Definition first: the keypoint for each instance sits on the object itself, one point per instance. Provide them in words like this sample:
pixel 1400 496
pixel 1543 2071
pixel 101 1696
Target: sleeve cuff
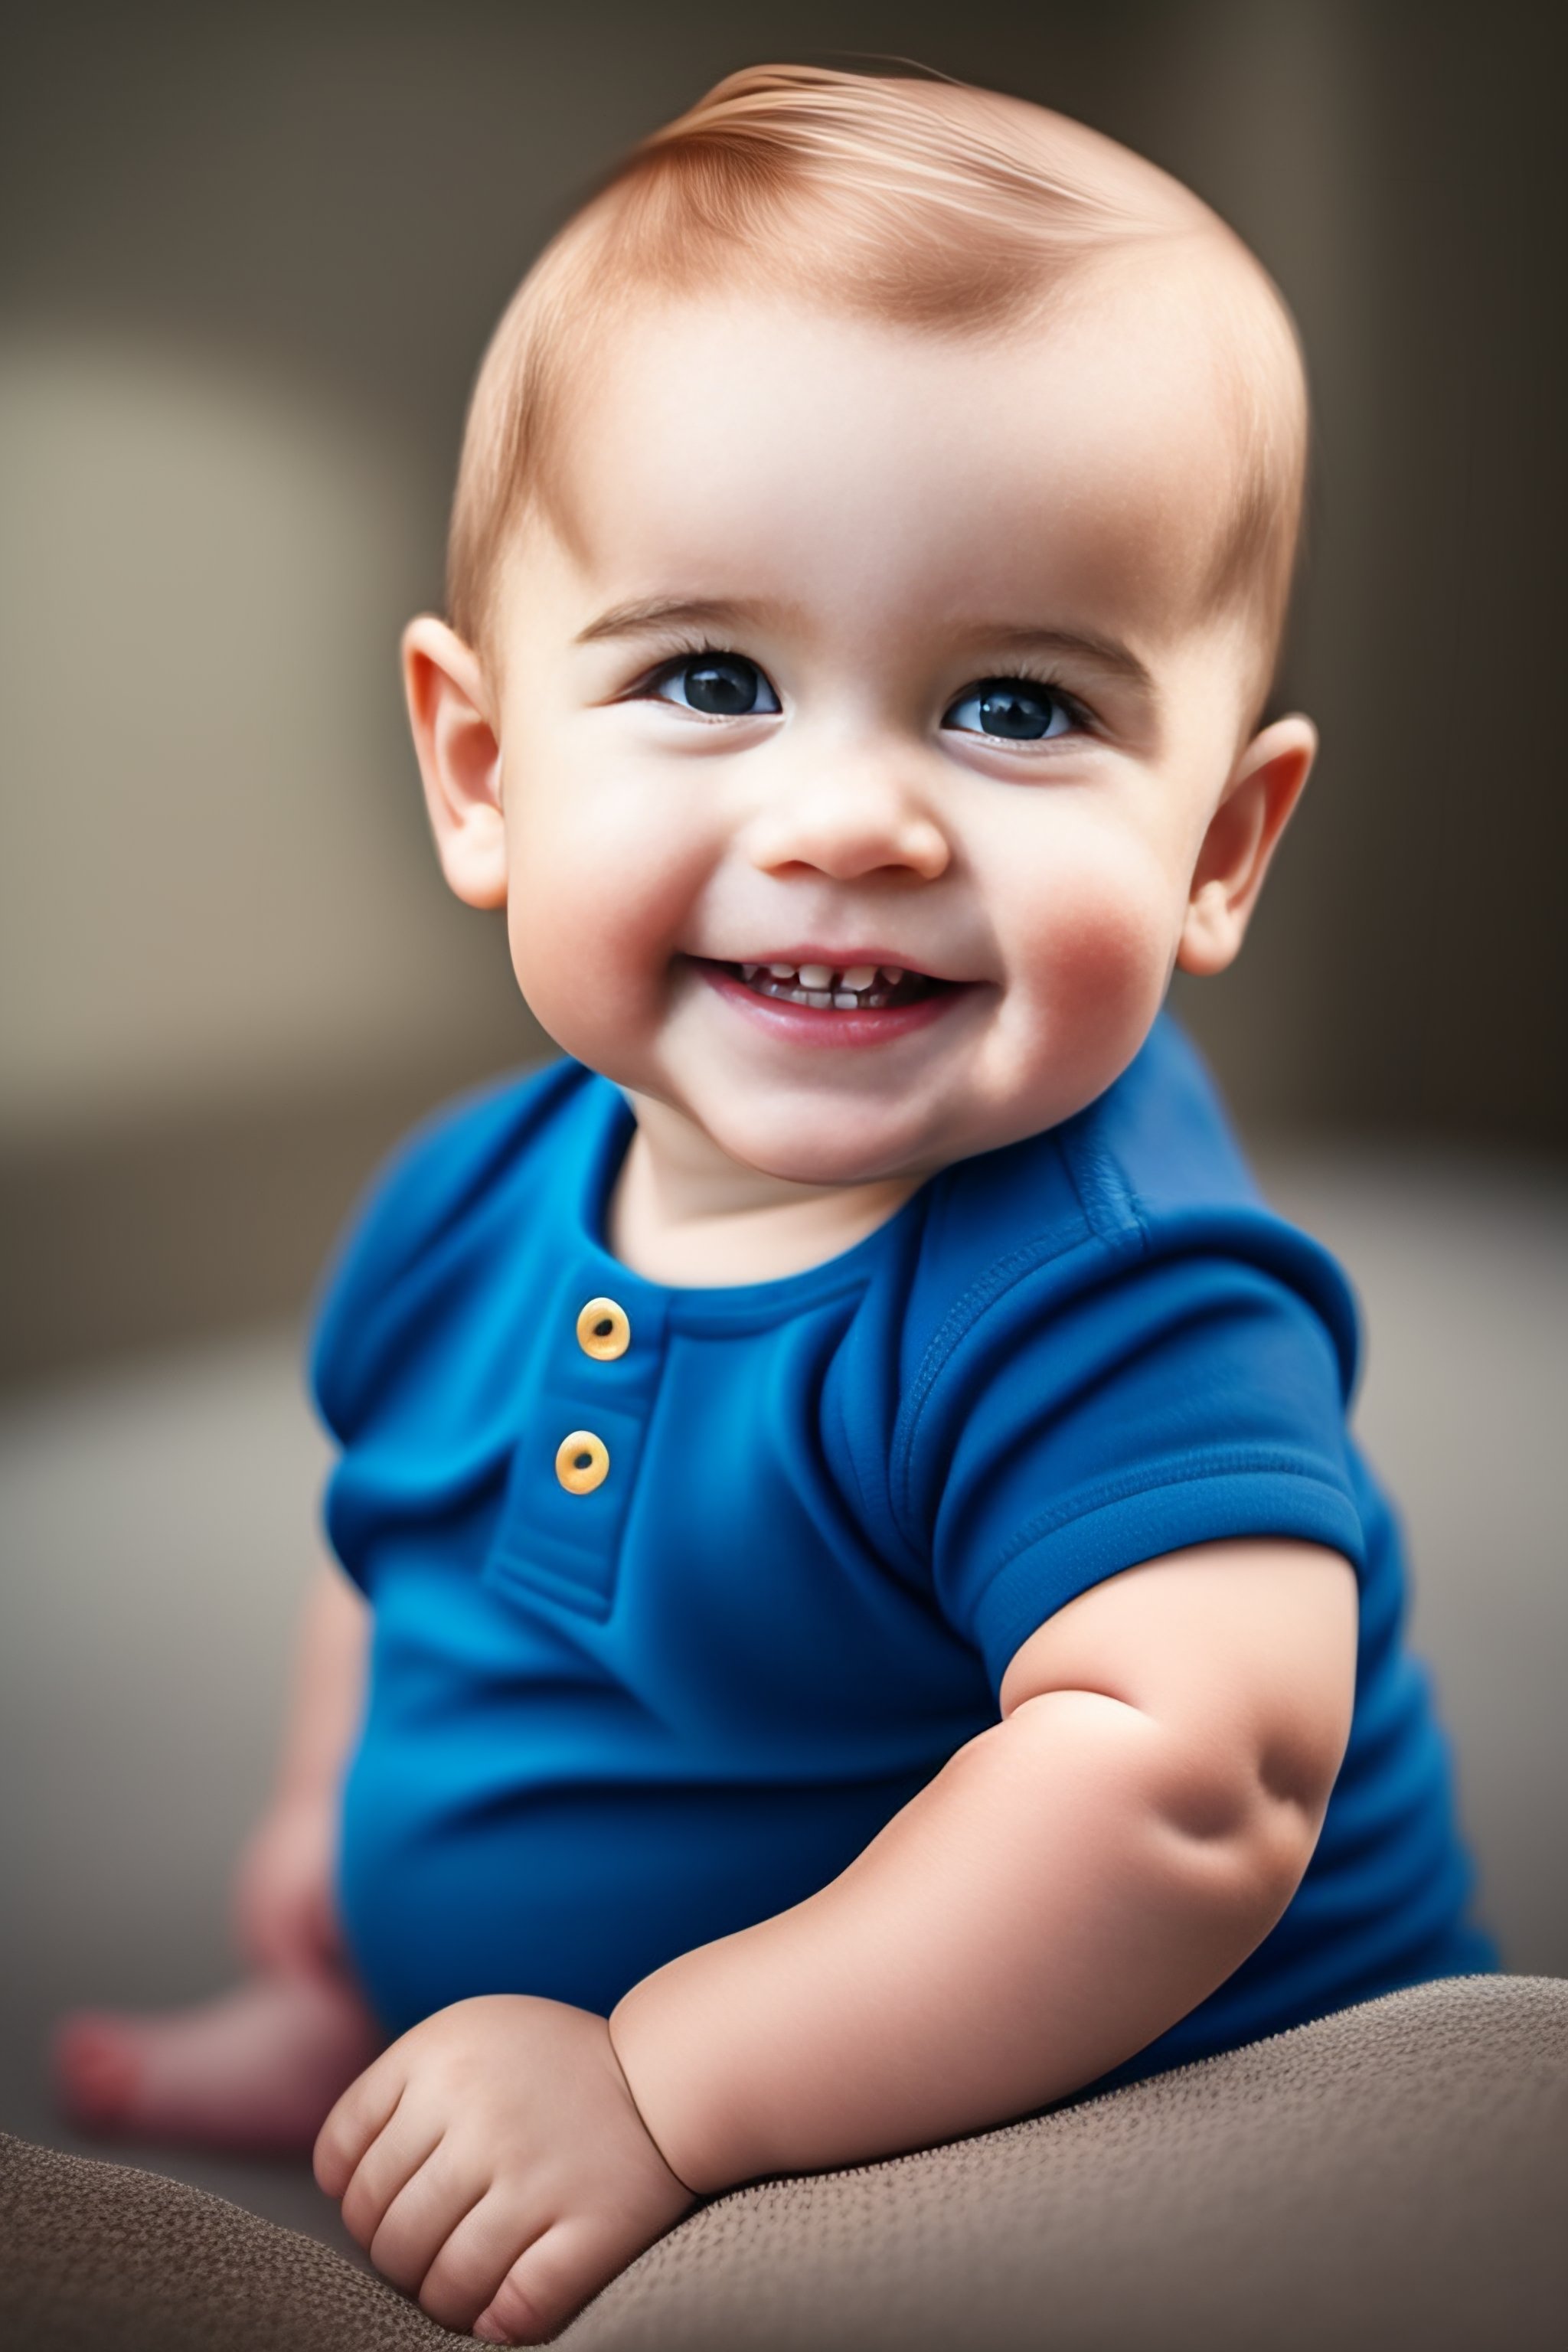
pixel 1083 1551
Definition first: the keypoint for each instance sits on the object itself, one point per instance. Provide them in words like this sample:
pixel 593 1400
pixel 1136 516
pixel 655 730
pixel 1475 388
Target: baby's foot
pixel 256 2069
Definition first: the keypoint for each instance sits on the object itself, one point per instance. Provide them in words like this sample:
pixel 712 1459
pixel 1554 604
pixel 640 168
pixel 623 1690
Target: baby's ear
pixel 460 759
pixel 1254 810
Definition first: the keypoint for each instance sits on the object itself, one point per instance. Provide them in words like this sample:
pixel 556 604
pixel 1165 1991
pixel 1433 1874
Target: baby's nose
pixel 848 827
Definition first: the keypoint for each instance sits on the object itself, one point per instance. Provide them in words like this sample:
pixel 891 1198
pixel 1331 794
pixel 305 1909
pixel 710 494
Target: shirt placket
pixel 584 1428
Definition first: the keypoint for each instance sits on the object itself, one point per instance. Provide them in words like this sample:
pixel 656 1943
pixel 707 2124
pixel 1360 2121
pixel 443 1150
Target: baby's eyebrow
pixel 645 613
pixel 1108 653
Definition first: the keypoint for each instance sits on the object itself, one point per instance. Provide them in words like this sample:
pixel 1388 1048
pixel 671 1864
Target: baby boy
pixel 876 1621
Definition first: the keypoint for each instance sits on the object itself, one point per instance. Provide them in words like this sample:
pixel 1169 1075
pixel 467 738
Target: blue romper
pixel 678 1601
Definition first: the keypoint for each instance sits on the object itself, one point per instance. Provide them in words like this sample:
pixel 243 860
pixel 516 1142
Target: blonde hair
pixel 925 203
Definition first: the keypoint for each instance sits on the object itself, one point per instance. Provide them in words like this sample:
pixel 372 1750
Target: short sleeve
pixel 415 1314
pixel 421 1211
pixel 1087 1424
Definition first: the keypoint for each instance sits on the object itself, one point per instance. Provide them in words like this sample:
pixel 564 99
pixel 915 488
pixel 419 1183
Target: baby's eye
pixel 1017 708
pixel 724 686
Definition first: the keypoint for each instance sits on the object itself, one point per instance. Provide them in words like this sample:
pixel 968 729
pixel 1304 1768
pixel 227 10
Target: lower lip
pixel 815 1024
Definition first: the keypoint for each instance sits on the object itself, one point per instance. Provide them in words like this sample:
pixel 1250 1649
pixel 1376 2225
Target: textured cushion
pixel 1389 2176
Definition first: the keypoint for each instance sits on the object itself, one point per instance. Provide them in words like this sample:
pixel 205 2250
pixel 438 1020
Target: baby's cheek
pixel 594 913
pixel 1099 954
pixel 1107 937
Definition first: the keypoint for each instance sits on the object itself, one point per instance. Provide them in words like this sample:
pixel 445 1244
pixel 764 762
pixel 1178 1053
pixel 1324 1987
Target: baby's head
pixel 871 547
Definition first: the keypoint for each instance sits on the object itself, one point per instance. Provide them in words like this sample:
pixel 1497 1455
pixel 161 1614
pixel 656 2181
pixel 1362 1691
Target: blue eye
pixel 1013 708
pixel 722 686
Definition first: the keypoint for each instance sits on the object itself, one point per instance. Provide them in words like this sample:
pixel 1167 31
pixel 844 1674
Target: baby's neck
pixel 696 1219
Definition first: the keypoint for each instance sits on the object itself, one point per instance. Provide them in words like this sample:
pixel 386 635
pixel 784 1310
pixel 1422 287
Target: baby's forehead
pixel 965 219
pixel 1115 415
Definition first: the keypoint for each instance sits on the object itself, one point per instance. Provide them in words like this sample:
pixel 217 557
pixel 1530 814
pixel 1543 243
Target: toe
pixel 95 2069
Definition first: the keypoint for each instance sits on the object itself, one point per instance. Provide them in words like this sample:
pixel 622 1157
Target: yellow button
pixel 582 1462
pixel 603 1330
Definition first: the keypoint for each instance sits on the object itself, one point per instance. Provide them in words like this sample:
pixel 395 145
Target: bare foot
pixel 258 2069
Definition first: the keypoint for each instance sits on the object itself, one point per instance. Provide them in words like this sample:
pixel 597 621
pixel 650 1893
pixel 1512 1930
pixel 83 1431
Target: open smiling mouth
pixel 847 987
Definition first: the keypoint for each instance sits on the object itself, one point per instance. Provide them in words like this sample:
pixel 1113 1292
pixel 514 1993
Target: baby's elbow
pixel 1249 1770
pixel 1241 1825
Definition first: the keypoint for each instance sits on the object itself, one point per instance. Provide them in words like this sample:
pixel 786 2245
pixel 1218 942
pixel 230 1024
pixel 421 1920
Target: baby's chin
pixel 831 1137
pixel 829 1150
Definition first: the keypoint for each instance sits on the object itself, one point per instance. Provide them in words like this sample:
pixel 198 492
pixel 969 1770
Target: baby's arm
pixel 1071 1883
pixel 1074 1881
pixel 283 1888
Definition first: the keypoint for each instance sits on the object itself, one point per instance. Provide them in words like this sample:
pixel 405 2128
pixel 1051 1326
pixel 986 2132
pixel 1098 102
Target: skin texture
pixel 493 2163
pixel 878 521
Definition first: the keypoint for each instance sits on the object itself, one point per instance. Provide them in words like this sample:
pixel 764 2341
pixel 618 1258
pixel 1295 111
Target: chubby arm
pixel 284 1914
pixel 1070 1884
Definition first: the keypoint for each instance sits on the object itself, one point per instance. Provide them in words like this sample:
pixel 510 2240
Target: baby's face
pixel 861 736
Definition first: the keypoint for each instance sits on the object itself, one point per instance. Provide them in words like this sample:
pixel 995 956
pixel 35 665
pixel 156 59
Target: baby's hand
pixel 492 2163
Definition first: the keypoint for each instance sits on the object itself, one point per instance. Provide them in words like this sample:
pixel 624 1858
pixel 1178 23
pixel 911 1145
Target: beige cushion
pixel 1393 2177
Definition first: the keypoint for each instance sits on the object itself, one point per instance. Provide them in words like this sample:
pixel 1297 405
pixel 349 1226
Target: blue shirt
pixel 610 1721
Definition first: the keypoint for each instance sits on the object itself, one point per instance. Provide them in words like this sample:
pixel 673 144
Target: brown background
pixel 251 255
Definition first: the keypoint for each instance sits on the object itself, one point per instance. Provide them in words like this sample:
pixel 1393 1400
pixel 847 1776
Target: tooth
pixel 815 975
pixel 848 1003
pixel 749 971
pixel 892 973
pixel 860 975
pixel 781 971
pixel 821 997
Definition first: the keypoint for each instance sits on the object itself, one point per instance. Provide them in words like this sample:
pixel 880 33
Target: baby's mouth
pixel 848 988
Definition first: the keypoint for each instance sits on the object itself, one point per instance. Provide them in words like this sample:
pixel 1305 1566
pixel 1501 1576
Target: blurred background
pixel 249 259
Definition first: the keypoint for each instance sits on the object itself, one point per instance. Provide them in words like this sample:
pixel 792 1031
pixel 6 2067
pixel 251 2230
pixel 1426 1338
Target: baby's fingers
pixel 551 2280
pixel 418 2221
pixel 363 2112
pixel 465 2275
pixel 389 2180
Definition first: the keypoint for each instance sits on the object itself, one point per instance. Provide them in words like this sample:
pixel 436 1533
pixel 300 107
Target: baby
pixel 877 1620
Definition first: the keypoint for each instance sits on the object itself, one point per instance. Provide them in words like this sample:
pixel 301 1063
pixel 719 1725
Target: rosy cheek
pixel 1096 958
pixel 592 907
